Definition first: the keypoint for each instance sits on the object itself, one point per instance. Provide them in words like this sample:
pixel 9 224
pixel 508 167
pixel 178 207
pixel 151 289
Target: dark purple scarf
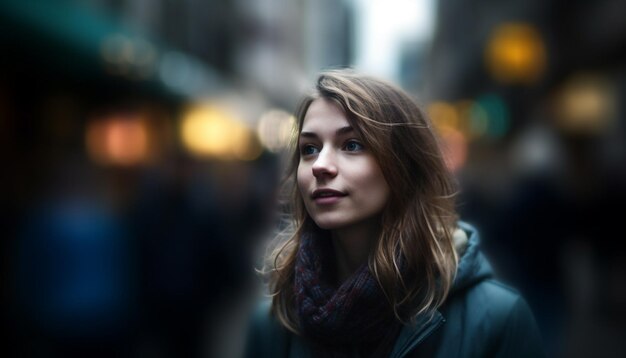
pixel 353 316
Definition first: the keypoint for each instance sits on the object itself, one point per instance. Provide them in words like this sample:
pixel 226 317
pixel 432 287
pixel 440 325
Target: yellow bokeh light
pixel 586 103
pixel 516 53
pixel 464 113
pixel 444 116
pixel 211 132
pixel 205 131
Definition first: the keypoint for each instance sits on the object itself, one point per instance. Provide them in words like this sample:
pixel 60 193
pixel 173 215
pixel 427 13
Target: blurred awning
pixel 81 42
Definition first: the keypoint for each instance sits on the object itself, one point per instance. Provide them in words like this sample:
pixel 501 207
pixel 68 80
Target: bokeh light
pixel 443 115
pixel 454 148
pixel 121 139
pixel 208 131
pixel 585 104
pixel 486 117
pixel 134 57
pixel 516 54
pixel 491 114
pixel 449 122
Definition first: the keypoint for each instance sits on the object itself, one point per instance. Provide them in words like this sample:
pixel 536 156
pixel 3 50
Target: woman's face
pixel 341 183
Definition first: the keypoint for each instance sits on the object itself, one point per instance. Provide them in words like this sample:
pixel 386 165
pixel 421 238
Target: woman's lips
pixel 327 196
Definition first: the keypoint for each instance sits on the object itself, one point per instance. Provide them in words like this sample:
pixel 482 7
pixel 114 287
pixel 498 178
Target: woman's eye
pixel 353 146
pixel 308 149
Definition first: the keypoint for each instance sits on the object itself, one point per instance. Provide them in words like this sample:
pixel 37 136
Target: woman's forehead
pixel 324 114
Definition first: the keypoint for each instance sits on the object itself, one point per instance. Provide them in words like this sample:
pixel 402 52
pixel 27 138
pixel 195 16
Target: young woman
pixel 376 263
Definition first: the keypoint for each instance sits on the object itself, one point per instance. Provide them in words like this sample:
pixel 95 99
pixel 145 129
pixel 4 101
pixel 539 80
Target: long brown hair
pixel 414 260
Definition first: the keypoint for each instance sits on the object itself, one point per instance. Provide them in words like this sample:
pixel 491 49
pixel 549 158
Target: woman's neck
pixel 352 247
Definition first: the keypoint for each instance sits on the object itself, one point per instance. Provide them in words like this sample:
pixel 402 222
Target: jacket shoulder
pixel 494 319
pixel 499 295
pixel 491 303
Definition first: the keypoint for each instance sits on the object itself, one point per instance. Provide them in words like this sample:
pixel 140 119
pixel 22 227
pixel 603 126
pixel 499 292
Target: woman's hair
pixel 414 260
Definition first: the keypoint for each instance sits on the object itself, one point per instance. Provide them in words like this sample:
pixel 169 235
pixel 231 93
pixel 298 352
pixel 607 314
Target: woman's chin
pixel 327 224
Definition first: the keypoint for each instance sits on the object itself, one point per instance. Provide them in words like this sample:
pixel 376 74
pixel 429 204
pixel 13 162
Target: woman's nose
pixel 324 165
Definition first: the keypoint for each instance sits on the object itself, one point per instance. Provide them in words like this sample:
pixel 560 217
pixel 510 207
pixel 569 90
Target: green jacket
pixel 481 318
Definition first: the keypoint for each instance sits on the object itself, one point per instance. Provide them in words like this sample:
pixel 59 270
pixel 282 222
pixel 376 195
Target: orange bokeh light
pixel 516 53
pixel 118 140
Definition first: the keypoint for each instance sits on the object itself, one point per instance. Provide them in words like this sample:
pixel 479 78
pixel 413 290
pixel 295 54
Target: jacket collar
pixel 473 268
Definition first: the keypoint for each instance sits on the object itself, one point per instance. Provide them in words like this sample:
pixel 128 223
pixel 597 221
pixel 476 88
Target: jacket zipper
pixel 412 344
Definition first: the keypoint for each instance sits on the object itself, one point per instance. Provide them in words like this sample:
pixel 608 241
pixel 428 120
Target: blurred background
pixel 142 144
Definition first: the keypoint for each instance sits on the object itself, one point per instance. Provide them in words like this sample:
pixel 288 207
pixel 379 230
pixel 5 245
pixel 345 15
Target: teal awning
pixel 79 41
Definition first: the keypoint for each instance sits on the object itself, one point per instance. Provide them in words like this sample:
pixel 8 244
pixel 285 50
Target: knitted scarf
pixel 340 320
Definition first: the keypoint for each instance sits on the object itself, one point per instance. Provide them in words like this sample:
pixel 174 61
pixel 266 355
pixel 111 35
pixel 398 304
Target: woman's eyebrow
pixel 344 130
pixel 308 134
pixel 338 132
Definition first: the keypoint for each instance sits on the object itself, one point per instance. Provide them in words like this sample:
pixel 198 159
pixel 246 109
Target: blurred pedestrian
pixel 375 262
